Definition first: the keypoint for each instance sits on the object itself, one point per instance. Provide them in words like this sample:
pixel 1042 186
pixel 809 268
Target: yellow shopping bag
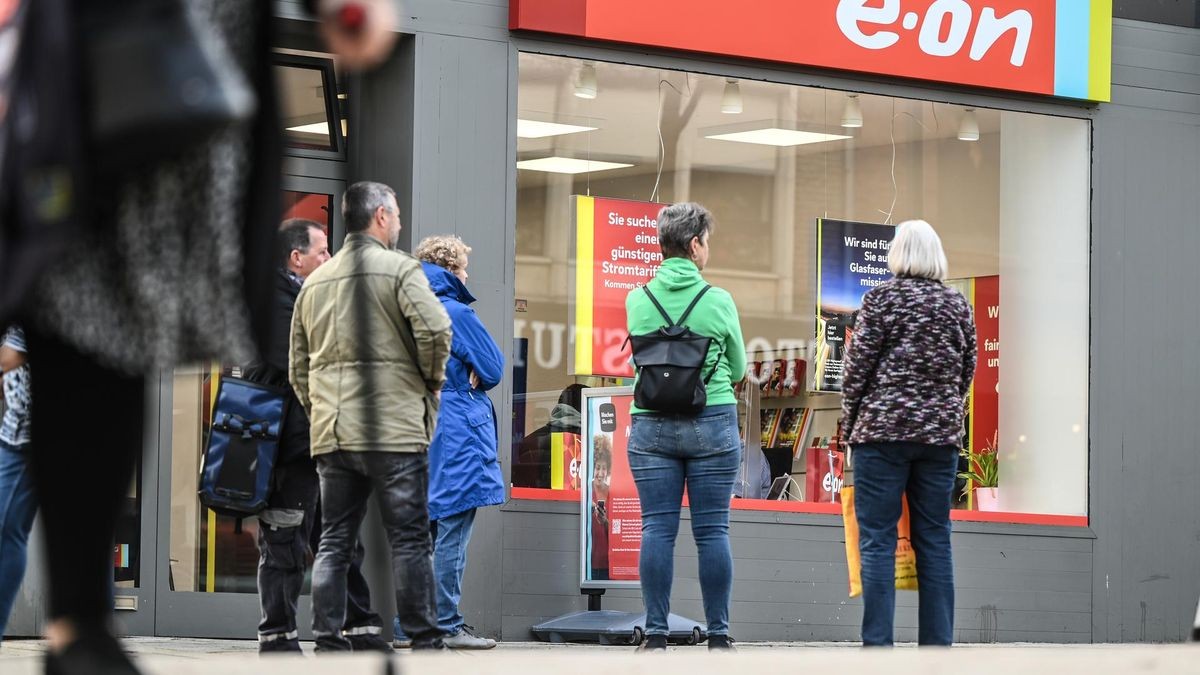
pixel 906 557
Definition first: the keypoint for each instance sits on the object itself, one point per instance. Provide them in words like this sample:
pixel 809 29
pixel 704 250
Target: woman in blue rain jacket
pixel 464 469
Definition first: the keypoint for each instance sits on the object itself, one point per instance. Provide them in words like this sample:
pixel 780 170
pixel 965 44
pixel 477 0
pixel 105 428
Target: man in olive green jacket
pixel 369 347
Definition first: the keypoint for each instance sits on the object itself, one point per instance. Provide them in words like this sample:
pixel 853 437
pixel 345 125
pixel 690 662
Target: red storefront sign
pixel 616 251
pixel 1055 47
pixel 985 392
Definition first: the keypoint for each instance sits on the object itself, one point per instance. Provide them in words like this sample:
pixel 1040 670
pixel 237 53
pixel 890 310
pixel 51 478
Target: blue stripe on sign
pixel 1072 33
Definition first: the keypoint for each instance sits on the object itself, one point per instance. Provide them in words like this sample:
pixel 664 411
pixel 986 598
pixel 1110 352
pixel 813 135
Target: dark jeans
pixel 882 473
pixel 451 535
pixel 665 452
pixel 401 484
pixel 283 550
pixel 87 428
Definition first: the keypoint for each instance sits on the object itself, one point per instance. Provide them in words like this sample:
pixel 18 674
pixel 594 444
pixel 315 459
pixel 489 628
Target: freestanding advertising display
pixel 610 530
pixel 610 533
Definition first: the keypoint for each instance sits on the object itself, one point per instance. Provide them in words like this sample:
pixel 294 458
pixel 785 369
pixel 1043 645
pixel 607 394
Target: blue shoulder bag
pixel 243 445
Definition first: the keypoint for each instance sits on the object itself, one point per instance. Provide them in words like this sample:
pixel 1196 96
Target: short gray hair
pixel 361 201
pixel 678 224
pixel 917 252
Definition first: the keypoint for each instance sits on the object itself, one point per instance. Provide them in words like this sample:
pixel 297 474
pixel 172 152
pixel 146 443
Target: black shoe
pixel 280 647
pixel 332 645
pixel 653 643
pixel 369 643
pixel 92 653
pixel 435 644
pixel 720 643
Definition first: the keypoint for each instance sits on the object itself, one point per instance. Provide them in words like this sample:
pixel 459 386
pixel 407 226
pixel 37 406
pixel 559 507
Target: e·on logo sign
pixel 1053 47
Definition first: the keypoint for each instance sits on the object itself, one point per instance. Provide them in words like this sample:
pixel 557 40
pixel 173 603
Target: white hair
pixel 917 252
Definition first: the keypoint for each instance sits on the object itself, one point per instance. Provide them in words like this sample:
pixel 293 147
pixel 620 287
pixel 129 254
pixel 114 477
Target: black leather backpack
pixel 670 364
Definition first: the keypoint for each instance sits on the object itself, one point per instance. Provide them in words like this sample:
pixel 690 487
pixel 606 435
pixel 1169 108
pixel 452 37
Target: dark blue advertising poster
pixel 851 260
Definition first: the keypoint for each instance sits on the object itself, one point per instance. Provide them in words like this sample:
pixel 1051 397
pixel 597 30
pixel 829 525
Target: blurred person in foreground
pixel 119 269
pixel 907 373
pixel 667 451
pixel 369 347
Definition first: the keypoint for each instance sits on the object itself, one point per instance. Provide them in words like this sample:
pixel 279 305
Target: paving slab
pixel 176 656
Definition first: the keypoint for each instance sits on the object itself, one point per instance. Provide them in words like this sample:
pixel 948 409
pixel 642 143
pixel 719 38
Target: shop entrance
pixel 206 564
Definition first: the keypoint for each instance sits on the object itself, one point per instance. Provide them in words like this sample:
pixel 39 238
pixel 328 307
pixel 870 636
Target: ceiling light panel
pixel 568 165
pixel 536 129
pixel 777 137
pixel 315 128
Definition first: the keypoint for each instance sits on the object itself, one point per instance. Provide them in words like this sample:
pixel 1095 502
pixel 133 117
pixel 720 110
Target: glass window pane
pixel 771 161
pixel 127 542
pixel 311 205
pixel 304 94
pixel 207 552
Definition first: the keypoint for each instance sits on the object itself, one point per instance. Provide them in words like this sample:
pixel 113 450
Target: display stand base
pixel 610 627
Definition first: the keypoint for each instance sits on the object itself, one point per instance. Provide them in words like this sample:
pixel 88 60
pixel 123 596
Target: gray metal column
pixel 433 122
pixel 464 101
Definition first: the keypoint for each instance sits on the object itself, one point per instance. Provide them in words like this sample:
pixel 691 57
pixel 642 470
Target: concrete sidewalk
pixel 179 656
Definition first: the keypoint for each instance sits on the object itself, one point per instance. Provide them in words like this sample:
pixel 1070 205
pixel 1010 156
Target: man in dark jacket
pixel 289 528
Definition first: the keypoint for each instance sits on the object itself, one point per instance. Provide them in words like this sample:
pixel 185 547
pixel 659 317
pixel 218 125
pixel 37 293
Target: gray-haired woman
pixel 667 450
pixel 908 371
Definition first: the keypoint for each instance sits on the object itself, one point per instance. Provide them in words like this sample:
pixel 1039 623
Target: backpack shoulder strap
pixel 687 312
pixel 716 365
pixel 666 317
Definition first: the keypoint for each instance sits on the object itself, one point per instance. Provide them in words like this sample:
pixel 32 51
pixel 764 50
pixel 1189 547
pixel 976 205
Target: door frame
pixel 197 613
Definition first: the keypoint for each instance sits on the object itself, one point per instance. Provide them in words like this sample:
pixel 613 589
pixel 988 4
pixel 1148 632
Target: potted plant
pixel 983 474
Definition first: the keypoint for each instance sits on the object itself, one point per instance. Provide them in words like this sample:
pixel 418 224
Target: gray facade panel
pixel 460 185
pixel 790 582
pixel 1144 246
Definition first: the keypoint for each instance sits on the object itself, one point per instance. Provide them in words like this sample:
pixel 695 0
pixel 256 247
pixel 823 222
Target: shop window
pixel 312 106
pixel 1008 192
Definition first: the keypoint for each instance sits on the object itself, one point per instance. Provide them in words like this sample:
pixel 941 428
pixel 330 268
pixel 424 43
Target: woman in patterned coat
pixel 907 374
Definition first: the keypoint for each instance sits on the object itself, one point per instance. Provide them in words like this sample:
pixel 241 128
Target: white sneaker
pixel 465 639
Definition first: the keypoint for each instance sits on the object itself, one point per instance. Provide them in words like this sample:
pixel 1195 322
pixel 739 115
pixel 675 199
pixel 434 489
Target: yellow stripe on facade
pixel 585 209
pixel 210 559
pixel 210 565
pixel 1100 52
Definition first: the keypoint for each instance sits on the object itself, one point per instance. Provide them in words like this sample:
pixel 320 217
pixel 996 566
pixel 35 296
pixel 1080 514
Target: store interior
pixel 770 160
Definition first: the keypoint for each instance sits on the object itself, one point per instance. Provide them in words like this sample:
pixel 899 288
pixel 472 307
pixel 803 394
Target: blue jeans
pixel 882 473
pixel 705 452
pixel 401 484
pixel 17 508
pixel 449 564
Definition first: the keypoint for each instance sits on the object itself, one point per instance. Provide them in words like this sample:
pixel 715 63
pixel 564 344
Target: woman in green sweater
pixel 703 451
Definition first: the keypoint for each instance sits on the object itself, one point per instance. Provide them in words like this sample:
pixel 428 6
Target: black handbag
pixel 670 364
pixel 158 85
